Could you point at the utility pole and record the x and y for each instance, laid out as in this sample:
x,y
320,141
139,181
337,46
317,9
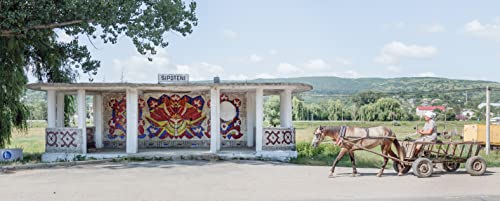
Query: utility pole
x,y
488,91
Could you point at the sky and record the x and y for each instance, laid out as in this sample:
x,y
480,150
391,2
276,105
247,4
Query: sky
x,y
239,40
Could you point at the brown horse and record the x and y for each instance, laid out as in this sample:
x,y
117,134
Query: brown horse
x,y
369,138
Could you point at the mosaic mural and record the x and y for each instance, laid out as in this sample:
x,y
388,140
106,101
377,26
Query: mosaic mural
x,y
175,120
230,120
118,121
176,117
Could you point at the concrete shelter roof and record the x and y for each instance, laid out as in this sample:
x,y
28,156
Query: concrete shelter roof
x,y
269,87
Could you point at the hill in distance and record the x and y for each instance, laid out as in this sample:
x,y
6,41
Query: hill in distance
x,y
338,85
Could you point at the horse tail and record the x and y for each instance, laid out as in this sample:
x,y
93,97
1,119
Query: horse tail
x,y
401,151
399,148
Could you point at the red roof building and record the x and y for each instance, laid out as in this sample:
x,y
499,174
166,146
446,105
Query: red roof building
x,y
431,108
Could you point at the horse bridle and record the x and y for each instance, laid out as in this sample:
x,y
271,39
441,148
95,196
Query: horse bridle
x,y
318,135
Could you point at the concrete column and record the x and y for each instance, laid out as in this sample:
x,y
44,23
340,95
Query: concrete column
x,y
214,120
250,119
282,110
98,123
82,117
259,118
51,108
60,110
132,126
286,108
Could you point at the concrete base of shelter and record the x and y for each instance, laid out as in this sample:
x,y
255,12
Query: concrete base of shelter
x,y
178,154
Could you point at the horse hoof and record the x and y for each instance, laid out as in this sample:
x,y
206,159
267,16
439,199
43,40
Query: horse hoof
x,y
400,174
331,175
356,174
379,175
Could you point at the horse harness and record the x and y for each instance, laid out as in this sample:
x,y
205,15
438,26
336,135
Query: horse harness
x,y
343,131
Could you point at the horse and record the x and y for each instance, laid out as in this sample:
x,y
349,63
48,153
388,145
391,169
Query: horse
x,y
368,138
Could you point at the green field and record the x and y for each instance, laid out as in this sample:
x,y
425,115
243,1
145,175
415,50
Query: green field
x,y
305,129
33,143
327,151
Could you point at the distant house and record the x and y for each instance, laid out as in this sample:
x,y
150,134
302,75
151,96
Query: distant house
x,y
468,113
495,119
433,101
491,104
422,109
461,117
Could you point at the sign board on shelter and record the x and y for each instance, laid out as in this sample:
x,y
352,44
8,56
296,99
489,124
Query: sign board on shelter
x,y
173,78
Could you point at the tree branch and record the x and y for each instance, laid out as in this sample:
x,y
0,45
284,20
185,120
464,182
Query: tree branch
x,y
10,33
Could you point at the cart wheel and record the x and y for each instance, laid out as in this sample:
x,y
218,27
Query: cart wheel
x,y
406,169
475,166
422,167
450,166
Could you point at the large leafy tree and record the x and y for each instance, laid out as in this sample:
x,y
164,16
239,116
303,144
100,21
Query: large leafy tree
x,y
366,97
272,111
29,45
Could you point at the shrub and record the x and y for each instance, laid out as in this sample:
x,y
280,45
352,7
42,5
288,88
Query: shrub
x,y
305,150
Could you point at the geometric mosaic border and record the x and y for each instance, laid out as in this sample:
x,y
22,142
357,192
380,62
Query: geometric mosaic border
x,y
63,140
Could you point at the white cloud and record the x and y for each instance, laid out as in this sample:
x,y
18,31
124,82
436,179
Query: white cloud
x,y
385,59
273,52
393,69
255,58
265,76
314,67
317,65
137,68
227,33
433,28
206,71
485,31
392,52
237,77
427,74
349,74
201,71
396,25
286,69
343,61
321,66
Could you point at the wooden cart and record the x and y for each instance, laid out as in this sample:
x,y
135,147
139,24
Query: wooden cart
x,y
449,154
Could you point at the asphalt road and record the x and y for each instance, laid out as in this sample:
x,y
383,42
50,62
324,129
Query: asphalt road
x,y
245,180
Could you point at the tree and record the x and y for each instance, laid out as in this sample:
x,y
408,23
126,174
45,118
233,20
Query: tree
x,y
353,110
272,111
366,97
28,41
298,109
450,115
314,111
385,109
